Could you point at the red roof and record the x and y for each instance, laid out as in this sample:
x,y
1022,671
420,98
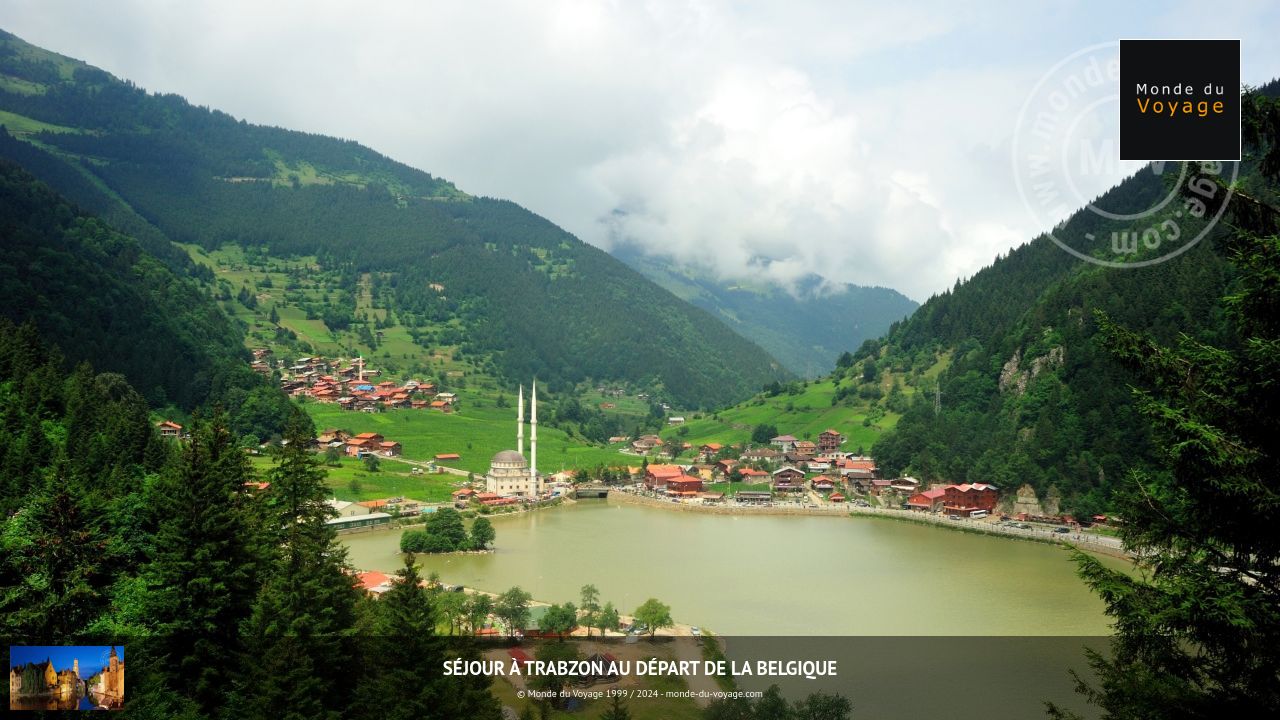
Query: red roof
x,y
486,496
370,580
169,424
463,492
666,471
519,655
837,497
373,504
752,472
448,456
368,436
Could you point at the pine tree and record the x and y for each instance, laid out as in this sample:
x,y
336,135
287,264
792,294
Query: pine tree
x,y
1198,632
401,670
58,564
205,572
303,618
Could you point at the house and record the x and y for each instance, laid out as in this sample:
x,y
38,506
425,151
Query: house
x,y
927,501
837,497
804,447
879,486
333,435
797,458
969,498
726,466
752,475
390,448
347,509
788,479
656,476
684,486
822,483
784,443
675,420
354,522
373,583
906,484
645,443
708,451
761,455
857,464
358,447
169,429
374,438
463,494
829,441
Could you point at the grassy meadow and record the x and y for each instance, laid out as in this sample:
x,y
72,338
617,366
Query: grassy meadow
x,y
476,433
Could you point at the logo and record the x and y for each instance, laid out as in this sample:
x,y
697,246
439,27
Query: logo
x,y
1065,157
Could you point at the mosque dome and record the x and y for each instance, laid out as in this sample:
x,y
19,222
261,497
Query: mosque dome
x,y
509,457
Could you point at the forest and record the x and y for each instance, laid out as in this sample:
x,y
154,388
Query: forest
x,y
216,586
100,295
531,298
1031,395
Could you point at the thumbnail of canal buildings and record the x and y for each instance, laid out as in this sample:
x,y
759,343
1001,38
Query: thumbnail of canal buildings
x,y
66,677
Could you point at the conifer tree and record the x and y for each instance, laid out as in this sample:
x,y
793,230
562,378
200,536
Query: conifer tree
x,y
1198,632
205,572
302,621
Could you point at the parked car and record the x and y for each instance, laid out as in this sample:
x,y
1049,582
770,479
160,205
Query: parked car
x,y
1062,530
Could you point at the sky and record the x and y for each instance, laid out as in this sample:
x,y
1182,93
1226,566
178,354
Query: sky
x,y
92,657
864,142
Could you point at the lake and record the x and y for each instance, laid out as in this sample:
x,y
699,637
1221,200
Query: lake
x,y
774,575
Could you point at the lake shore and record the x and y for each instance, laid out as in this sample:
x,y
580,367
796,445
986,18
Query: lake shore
x,y
1100,544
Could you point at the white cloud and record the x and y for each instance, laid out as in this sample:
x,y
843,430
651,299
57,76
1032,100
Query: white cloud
x,y
864,142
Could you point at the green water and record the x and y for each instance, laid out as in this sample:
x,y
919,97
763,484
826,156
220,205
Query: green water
x,y
775,575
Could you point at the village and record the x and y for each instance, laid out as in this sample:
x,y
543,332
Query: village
x,y
350,384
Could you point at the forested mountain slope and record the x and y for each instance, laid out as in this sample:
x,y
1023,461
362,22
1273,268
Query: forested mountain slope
x,y
100,295
530,297
1029,394
805,327
1003,379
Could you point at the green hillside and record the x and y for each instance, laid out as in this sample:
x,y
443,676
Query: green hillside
x,y
1004,379
99,295
484,277
805,326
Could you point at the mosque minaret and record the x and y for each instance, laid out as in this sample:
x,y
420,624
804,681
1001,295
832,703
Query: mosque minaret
x,y
509,473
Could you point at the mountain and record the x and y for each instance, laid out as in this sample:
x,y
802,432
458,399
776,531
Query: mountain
x,y
805,327
1004,378
103,298
493,281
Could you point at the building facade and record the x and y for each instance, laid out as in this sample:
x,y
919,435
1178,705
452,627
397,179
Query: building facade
x,y
510,475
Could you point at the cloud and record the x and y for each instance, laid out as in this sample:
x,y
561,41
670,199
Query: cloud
x,y
867,143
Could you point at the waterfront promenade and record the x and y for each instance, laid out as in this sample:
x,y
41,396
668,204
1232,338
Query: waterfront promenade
x,y
1093,542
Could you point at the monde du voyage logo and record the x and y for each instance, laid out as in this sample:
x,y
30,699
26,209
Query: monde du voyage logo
x,y
1180,100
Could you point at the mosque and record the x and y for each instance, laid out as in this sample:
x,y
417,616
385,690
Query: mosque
x,y
509,473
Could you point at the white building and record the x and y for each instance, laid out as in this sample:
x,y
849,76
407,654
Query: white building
x,y
509,473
